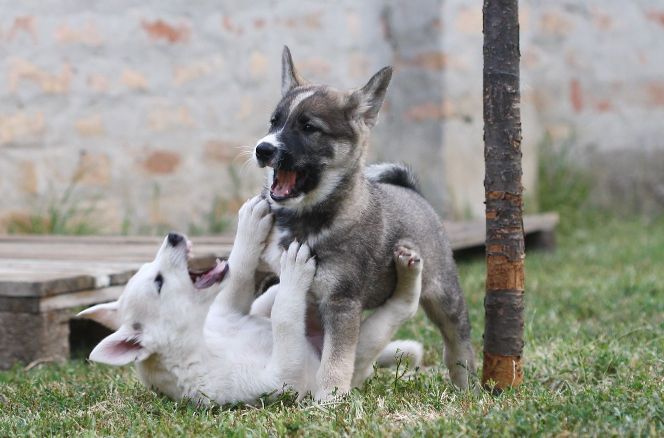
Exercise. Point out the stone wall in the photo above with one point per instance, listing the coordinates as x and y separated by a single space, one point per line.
145 110
594 74
592 80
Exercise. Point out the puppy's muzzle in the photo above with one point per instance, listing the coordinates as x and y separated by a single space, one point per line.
265 153
174 239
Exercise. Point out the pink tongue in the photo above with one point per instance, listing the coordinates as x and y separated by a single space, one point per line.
214 275
285 182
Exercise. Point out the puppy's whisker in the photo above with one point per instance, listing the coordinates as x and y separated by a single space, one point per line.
243 154
245 163
248 162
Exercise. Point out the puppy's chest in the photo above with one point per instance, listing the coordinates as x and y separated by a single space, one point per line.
278 242
354 261
271 257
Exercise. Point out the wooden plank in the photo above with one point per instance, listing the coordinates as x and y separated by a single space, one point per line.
45 266
41 278
540 222
98 252
111 240
470 234
42 284
91 267
81 298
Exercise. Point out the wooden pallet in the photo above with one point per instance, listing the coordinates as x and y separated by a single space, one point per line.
45 279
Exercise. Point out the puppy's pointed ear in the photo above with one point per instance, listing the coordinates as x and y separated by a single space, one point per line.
368 99
289 76
120 348
105 314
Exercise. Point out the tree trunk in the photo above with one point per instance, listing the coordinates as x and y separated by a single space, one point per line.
503 333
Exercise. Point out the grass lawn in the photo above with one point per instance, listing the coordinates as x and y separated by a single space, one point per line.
594 365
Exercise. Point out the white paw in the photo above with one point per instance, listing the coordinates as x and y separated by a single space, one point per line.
298 267
254 223
329 396
407 260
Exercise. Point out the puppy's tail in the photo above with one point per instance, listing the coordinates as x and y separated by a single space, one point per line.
398 351
392 173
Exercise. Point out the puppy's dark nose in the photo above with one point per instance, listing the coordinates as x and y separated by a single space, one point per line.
174 239
265 152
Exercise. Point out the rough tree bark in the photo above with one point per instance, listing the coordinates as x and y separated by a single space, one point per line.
503 333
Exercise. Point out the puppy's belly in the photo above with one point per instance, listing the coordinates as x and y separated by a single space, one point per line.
379 289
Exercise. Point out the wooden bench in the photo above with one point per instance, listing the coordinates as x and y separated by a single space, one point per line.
44 280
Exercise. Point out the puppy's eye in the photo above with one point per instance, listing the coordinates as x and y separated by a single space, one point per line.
309 128
273 121
159 282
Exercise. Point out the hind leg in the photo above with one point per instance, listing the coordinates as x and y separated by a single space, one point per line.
378 328
446 308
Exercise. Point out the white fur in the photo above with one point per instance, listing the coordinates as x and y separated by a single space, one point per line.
401 349
262 306
213 345
271 257
329 181
286 203
298 100
204 345
272 139
105 314
375 170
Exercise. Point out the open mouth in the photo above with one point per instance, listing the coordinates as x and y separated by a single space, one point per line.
208 276
287 184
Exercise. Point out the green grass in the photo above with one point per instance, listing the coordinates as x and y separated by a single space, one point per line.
63 213
594 365
564 185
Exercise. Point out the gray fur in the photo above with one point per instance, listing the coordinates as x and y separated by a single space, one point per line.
354 228
289 77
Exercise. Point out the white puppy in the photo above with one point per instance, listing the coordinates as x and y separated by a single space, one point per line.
191 339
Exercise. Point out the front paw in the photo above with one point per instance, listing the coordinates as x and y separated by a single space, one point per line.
254 223
298 267
329 396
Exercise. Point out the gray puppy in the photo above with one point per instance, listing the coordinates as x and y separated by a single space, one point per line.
353 217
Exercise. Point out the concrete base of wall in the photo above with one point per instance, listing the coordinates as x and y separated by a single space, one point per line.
628 181
25 337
